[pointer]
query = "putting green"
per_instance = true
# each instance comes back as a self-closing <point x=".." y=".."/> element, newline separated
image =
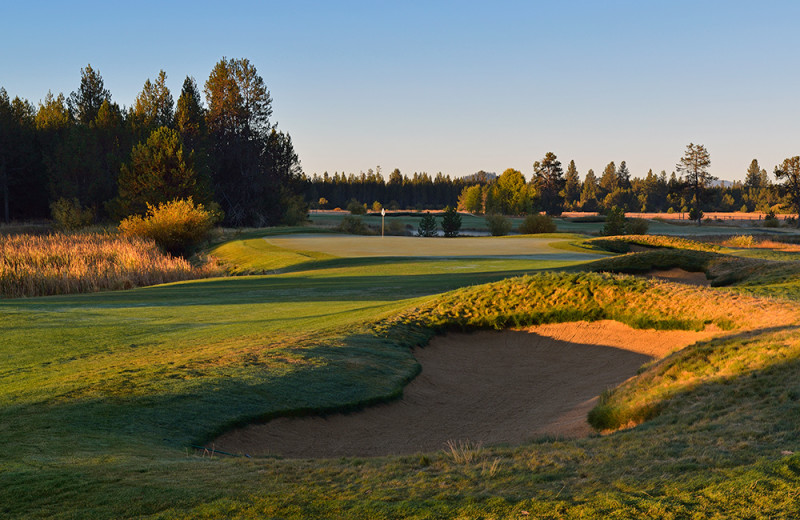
<point x="352" y="246"/>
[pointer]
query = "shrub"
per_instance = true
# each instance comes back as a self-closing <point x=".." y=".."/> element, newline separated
<point x="295" y="211"/>
<point x="69" y="215"/>
<point x="396" y="228"/>
<point x="537" y="224"/>
<point x="695" y="214"/>
<point x="498" y="225"/>
<point x="636" y="226"/>
<point x="356" y="208"/>
<point x="178" y="227"/>
<point x="740" y="241"/>
<point x="427" y="226"/>
<point x="770" y="220"/>
<point x="451" y="222"/>
<point x="353" y="225"/>
<point x="377" y="206"/>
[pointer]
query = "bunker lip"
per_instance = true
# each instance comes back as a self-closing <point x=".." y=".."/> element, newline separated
<point x="488" y="387"/>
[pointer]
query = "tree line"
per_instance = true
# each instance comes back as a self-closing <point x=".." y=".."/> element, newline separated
<point x="419" y="191"/>
<point x="552" y="189"/>
<point x="86" y="151"/>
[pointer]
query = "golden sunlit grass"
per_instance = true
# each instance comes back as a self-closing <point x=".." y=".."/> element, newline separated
<point x="63" y="264"/>
<point x="627" y="243"/>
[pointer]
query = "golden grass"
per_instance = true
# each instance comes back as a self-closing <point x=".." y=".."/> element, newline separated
<point x="750" y="242"/>
<point x="63" y="264"/>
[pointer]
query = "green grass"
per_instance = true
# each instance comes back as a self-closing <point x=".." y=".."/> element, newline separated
<point x="101" y="394"/>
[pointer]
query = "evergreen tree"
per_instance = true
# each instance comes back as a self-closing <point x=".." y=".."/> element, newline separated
<point x="86" y="101"/>
<point x="21" y="186"/>
<point x="572" y="187"/>
<point x="159" y="171"/>
<point x="245" y="152"/>
<point x="589" y="193"/>
<point x="623" y="176"/>
<point x="427" y="226"/>
<point x="153" y="107"/>
<point x="789" y="172"/>
<point x="451" y="222"/>
<point x="752" y="178"/>
<point x="694" y="165"/>
<point x="549" y="182"/>
<point x="608" y="181"/>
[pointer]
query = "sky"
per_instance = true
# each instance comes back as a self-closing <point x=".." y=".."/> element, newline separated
<point x="453" y="86"/>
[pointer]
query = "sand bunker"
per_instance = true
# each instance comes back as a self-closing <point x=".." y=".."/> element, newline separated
<point x="680" y="276"/>
<point x="488" y="387"/>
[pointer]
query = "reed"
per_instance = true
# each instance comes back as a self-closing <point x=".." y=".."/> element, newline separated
<point x="77" y="263"/>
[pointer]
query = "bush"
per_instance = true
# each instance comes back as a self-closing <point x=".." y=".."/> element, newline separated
<point x="69" y="215"/>
<point x="427" y="226"/>
<point x="451" y="222"/>
<point x="395" y="228"/>
<point x="295" y="212"/>
<point x="353" y="226"/>
<point x="636" y="226"/>
<point x="356" y="208"/>
<point x="178" y="227"/>
<point x="537" y="224"/>
<point x="770" y="220"/>
<point x="740" y="241"/>
<point x="498" y="225"/>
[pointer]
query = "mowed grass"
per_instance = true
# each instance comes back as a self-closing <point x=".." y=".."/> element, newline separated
<point x="101" y="395"/>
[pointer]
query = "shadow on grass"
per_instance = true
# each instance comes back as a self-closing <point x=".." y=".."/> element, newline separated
<point x="270" y="289"/>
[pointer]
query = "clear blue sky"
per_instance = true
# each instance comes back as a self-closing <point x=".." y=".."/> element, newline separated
<point x="454" y="86"/>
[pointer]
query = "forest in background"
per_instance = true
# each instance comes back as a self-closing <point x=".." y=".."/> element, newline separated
<point x="511" y="193"/>
<point x="85" y="154"/>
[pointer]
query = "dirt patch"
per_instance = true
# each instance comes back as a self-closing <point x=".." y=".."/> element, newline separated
<point x="486" y="387"/>
<point x="680" y="276"/>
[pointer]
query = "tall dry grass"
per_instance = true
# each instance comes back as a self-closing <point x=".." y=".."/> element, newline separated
<point x="63" y="264"/>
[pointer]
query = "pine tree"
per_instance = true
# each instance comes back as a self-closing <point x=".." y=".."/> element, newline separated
<point x="623" y="176"/>
<point x="86" y="101"/>
<point x="789" y="172"/>
<point x="694" y="166"/>
<point x="159" y="171"/>
<point x="427" y="226"/>
<point x="451" y="222"/>
<point x="153" y="107"/>
<point x="572" y="186"/>
<point x="549" y="182"/>
<point x="589" y="192"/>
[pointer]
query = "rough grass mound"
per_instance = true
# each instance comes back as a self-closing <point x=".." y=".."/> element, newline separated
<point x="560" y="297"/>
<point x="626" y="243"/>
